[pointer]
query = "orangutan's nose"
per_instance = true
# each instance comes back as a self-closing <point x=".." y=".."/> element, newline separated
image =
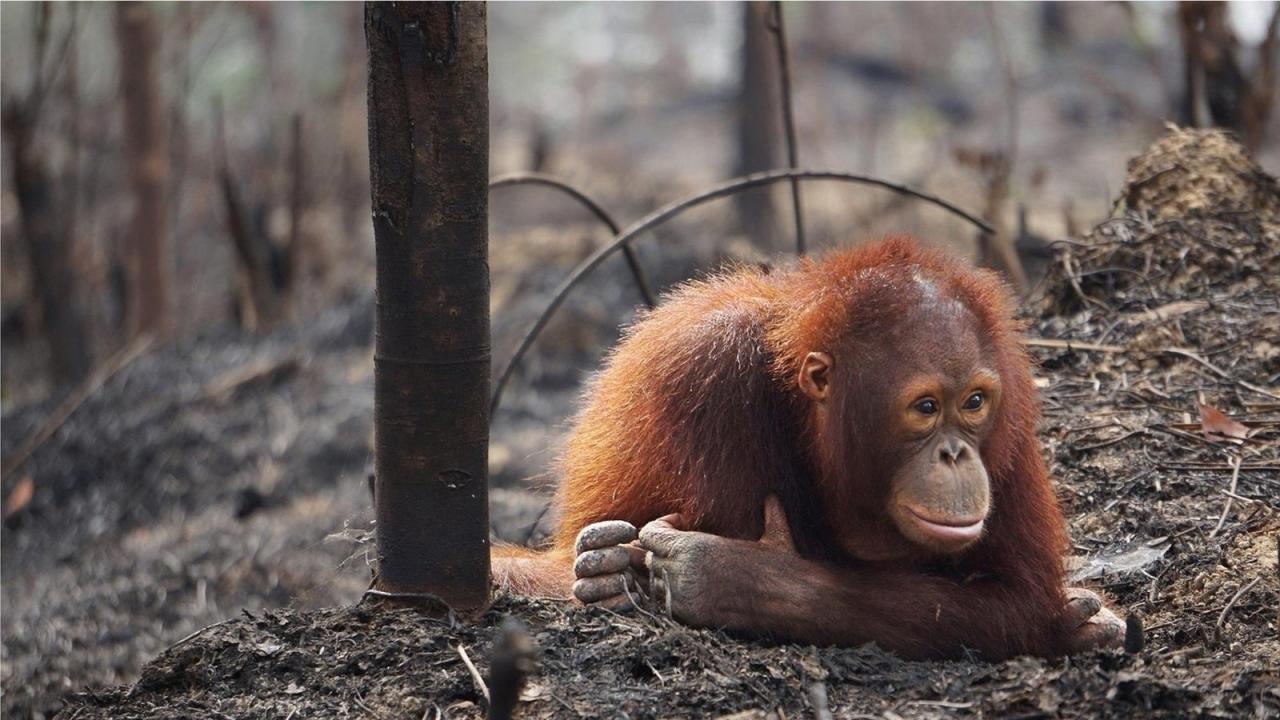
<point x="952" y="450"/>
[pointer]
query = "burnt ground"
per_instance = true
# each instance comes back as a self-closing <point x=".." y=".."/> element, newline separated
<point x="204" y="478"/>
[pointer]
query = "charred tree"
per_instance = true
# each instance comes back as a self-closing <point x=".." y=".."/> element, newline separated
<point x="147" y="156"/>
<point x="349" y="104"/>
<point x="288" y="269"/>
<point x="429" y="163"/>
<point x="47" y="211"/>
<point x="759" y="124"/>
<point x="264" y="271"/>
<point x="996" y="249"/>
<point x="1214" y="82"/>
<point x="48" y="244"/>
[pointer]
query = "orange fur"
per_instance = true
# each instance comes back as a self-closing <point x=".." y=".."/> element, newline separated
<point x="696" y="412"/>
<point x="546" y="574"/>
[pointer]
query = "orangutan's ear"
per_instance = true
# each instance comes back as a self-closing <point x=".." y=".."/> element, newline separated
<point x="815" y="376"/>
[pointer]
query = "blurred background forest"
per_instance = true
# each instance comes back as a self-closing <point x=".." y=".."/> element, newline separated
<point x="186" y="250"/>
<point x="246" y="185"/>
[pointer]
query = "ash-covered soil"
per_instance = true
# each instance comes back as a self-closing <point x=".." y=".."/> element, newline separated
<point x="132" y="539"/>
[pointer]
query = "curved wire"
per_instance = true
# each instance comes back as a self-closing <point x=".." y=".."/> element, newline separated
<point x="534" y="178"/>
<point x="674" y="208"/>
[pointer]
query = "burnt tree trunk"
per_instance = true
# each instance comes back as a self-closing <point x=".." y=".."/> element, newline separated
<point x="261" y="280"/>
<point x="349" y="104"/>
<point x="47" y="208"/>
<point x="45" y="232"/>
<point x="146" y="153"/>
<point x="429" y="163"/>
<point x="1215" y="82"/>
<point x="289" y="269"/>
<point x="759" y="124"/>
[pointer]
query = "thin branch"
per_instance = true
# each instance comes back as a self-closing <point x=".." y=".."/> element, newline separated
<point x="1244" y="467"/>
<point x="998" y="249"/>
<point x="1071" y="345"/>
<point x="475" y="674"/>
<point x="1009" y="76"/>
<point x="41" y="82"/>
<point x="677" y="207"/>
<point x="1232" y="602"/>
<point x="201" y="631"/>
<point x="1226" y="509"/>
<point x="1181" y="352"/>
<point x="1220" y="372"/>
<point x="252" y="261"/>
<point x="528" y="536"/>
<point x="297" y="203"/>
<point x="534" y="178"/>
<point x="1150" y="55"/>
<point x="788" y="119"/>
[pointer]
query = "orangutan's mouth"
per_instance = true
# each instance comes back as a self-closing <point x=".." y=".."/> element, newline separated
<point x="950" y="530"/>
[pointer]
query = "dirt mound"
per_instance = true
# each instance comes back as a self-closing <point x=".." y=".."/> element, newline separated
<point x="1174" y="514"/>
<point x="1189" y="173"/>
<point x="1195" y="212"/>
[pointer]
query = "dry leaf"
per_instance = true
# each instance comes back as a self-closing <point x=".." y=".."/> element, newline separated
<point x="19" y="496"/>
<point x="1217" y="426"/>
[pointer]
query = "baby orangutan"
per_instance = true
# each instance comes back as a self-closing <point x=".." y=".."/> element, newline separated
<point x="837" y="453"/>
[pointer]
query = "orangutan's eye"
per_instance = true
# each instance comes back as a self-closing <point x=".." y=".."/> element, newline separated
<point x="928" y="406"/>
<point x="974" y="402"/>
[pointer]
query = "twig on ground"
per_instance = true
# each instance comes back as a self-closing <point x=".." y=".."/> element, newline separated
<point x="1241" y="498"/>
<point x="360" y="701"/>
<point x="1217" y="627"/>
<point x="637" y="600"/>
<point x="1181" y="434"/>
<point x="1235" y="477"/>
<point x="1072" y="345"/>
<point x="1074" y="278"/>
<point x="942" y="704"/>
<point x="1181" y="352"/>
<point x="1112" y="441"/>
<point x="475" y="674"/>
<point x="1219" y="371"/>
<point x="200" y="632"/>
<point x="269" y="371"/>
<point x="1167" y="311"/>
